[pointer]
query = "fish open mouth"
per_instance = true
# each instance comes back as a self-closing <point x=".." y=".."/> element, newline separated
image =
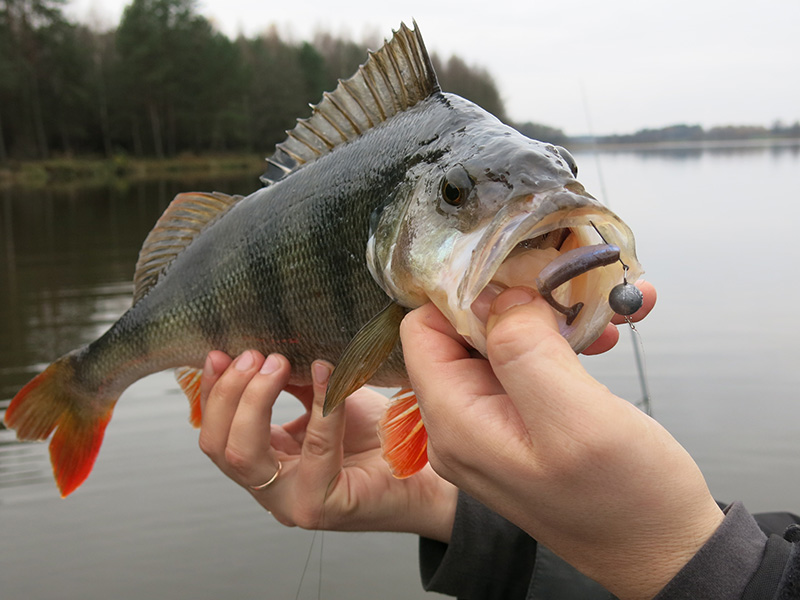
<point x="574" y="258"/>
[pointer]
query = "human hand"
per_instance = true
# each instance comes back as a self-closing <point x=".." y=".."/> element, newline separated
<point x="333" y="475"/>
<point x="530" y="434"/>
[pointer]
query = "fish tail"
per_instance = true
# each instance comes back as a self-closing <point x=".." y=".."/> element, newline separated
<point x="404" y="440"/>
<point x="56" y="400"/>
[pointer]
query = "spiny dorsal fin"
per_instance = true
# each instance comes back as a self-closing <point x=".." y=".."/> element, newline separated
<point x="393" y="79"/>
<point x="186" y="216"/>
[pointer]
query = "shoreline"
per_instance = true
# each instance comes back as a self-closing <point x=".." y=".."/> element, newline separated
<point x="94" y="170"/>
<point x="698" y="145"/>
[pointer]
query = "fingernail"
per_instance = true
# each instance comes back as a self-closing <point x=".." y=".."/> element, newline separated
<point x="244" y="362"/>
<point x="208" y="367"/>
<point x="320" y="372"/>
<point x="480" y="308"/>
<point x="510" y="298"/>
<point x="270" y="365"/>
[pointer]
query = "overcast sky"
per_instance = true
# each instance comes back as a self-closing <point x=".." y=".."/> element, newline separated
<point x="599" y="66"/>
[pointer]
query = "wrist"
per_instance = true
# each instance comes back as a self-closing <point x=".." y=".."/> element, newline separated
<point x="437" y="510"/>
<point x="644" y="573"/>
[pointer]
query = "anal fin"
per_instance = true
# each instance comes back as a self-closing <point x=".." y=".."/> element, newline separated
<point x="404" y="440"/>
<point x="189" y="380"/>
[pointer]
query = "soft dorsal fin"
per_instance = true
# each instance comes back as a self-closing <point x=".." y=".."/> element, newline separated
<point x="393" y="79"/>
<point x="186" y="216"/>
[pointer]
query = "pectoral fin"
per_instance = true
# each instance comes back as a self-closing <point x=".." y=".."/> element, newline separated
<point x="365" y="353"/>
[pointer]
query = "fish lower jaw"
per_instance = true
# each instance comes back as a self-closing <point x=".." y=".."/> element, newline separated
<point x="521" y="267"/>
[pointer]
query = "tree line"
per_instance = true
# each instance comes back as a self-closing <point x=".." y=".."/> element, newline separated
<point x="697" y="133"/>
<point x="165" y="82"/>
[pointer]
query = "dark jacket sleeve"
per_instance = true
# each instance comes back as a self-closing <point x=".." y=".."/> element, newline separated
<point x="487" y="558"/>
<point x="490" y="558"/>
<point x="741" y="561"/>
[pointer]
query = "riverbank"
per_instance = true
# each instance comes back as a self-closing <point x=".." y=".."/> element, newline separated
<point x="69" y="170"/>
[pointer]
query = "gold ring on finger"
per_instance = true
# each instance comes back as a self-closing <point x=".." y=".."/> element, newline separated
<point x="271" y="480"/>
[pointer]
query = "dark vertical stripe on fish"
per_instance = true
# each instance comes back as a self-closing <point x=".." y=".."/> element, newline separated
<point x="266" y="294"/>
<point x="213" y="327"/>
<point x="340" y="265"/>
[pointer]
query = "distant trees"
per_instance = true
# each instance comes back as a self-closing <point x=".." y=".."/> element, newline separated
<point x="696" y="133"/>
<point x="543" y="133"/>
<point x="165" y="82"/>
<point x="42" y="68"/>
<point x="470" y="82"/>
<point x="177" y="79"/>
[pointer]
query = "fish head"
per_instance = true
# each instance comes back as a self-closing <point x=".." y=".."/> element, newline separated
<point x="491" y="206"/>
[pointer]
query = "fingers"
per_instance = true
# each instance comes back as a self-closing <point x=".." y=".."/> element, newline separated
<point x="453" y="388"/>
<point x="238" y="400"/>
<point x="248" y="449"/>
<point x="438" y="359"/>
<point x="604" y="342"/>
<point x="322" y="452"/>
<point x="215" y="365"/>
<point x="529" y="356"/>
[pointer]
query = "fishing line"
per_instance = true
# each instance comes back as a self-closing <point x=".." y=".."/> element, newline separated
<point x="305" y="566"/>
<point x="320" y="527"/>
<point x="641" y="367"/>
<point x="319" y="579"/>
<point x="645" y="404"/>
<point x="308" y="562"/>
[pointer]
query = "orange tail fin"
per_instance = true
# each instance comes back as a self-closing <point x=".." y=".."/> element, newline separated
<point x="55" y="400"/>
<point x="403" y="437"/>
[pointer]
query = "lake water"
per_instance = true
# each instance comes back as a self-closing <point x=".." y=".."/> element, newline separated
<point x="715" y="232"/>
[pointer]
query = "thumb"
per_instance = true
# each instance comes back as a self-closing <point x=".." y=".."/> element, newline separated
<point x="534" y="363"/>
<point x="520" y="321"/>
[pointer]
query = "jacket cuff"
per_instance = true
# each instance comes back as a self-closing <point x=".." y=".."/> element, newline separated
<point x="727" y="562"/>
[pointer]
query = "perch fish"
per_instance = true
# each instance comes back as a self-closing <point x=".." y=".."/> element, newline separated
<point x="390" y="195"/>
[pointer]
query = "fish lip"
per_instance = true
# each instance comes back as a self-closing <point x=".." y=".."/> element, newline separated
<point x="529" y="216"/>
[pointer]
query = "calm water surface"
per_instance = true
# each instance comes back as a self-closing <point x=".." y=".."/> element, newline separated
<point x="716" y="234"/>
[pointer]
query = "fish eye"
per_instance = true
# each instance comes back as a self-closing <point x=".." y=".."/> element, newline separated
<point x="456" y="186"/>
<point x="569" y="159"/>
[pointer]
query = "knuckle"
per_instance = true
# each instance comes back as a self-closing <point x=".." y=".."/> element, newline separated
<point x="207" y="444"/>
<point x="508" y="341"/>
<point x="238" y="462"/>
<point x="229" y="385"/>
<point x="315" y="444"/>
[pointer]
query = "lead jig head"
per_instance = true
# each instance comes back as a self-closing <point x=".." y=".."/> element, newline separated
<point x="625" y="299"/>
